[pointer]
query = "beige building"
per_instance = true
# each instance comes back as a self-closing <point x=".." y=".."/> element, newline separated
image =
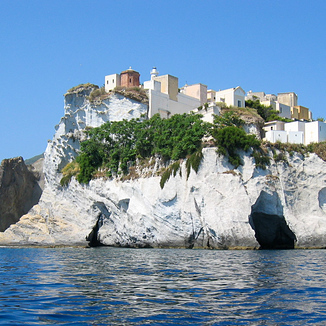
<point x="261" y="96"/>
<point x="198" y="91"/>
<point x="211" y="96"/>
<point x="169" y="85"/>
<point x="303" y="113"/>
<point x="285" y="103"/>
<point x="290" y="98"/>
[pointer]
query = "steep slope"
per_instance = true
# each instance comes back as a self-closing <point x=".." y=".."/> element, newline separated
<point x="281" y="207"/>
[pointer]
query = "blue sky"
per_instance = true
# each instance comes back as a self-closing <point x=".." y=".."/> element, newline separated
<point x="47" y="47"/>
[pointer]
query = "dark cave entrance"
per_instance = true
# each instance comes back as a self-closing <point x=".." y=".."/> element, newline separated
<point x="269" y="224"/>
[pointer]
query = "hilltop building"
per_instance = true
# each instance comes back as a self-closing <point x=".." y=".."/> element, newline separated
<point x="165" y="98"/>
<point x="285" y="103"/>
<point x="290" y="98"/>
<point x="198" y="91"/>
<point x="232" y="96"/>
<point x="127" y="78"/>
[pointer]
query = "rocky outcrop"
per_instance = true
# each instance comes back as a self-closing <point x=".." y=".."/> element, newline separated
<point x="220" y="207"/>
<point x="20" y="189"/>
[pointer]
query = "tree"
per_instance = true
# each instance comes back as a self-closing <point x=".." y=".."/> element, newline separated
<point x="264" y="111"/>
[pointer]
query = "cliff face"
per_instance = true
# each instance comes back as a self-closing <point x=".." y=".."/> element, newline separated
<point x="280" y="207"/>
<point x="20" y="190"/>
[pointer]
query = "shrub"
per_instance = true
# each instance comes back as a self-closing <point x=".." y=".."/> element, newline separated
<point x="194" y="161"/>
<point x="98" y="94"/>
<point x="318" y="148"/>
<point x="261" y="158"/>
<point x="167" y="173"/>
<point x="70" y="170"/>
<point x="230" y="139"/>
<point x="266" y="112"/>
<point x="280" y="157"/>
<point x="116" y="145"/>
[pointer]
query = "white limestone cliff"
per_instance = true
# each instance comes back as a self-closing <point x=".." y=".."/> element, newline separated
<point x="219" y="207"/>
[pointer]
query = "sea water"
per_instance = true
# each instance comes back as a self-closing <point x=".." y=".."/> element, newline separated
<point x="115" y="286"/>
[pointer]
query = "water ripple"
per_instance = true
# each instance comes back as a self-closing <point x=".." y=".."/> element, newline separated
<point x="111" y="286"/>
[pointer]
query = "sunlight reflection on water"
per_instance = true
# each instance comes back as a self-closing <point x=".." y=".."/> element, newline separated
<point x="107" y="286"/>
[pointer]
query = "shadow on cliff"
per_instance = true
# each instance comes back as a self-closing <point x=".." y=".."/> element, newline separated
<point x="269" y="224"/>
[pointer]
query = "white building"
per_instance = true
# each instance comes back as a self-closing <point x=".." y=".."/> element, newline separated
<point x="274" y="136"/>
<point x="274" y="125"/>
<point x="315" y="132"/>
<point x="209" y="112"/>
<point x="164" y="97"/>
<point x="297" y="132"/>
<point x="111" y="82"/>
<point x="232" y="96"/>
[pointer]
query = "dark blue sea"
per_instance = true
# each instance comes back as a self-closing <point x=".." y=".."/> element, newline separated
<point x="114" y="286"/>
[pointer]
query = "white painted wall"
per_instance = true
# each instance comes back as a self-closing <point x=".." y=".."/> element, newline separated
<point x="298" y="132"/>
<point x="208" y="113"/>
<point x="276" y="135"/>
<point x="274" y="125"/>
<point x="284" y="110"/>
<point x="208" y="116"/>
<point x="112" y="81"/>
<point x="153" y="84"/>
<point x="239" y="98"/>
<point x="231" y="96"/>
<point x="296" y="126"/>
<point x="157" y="101"/>
<point x="315" y="132"/>
<point x="295" y="137"/>
<point x="160" y="102"/>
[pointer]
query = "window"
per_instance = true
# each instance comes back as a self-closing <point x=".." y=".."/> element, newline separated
<point x="130" y="80"/>
<point x="239" y="104"/>
<point x="112" y="81"/>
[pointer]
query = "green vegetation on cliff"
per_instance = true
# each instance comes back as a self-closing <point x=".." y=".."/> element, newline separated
<point x="266" y="112"/>
<point x="114" y="147"/>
